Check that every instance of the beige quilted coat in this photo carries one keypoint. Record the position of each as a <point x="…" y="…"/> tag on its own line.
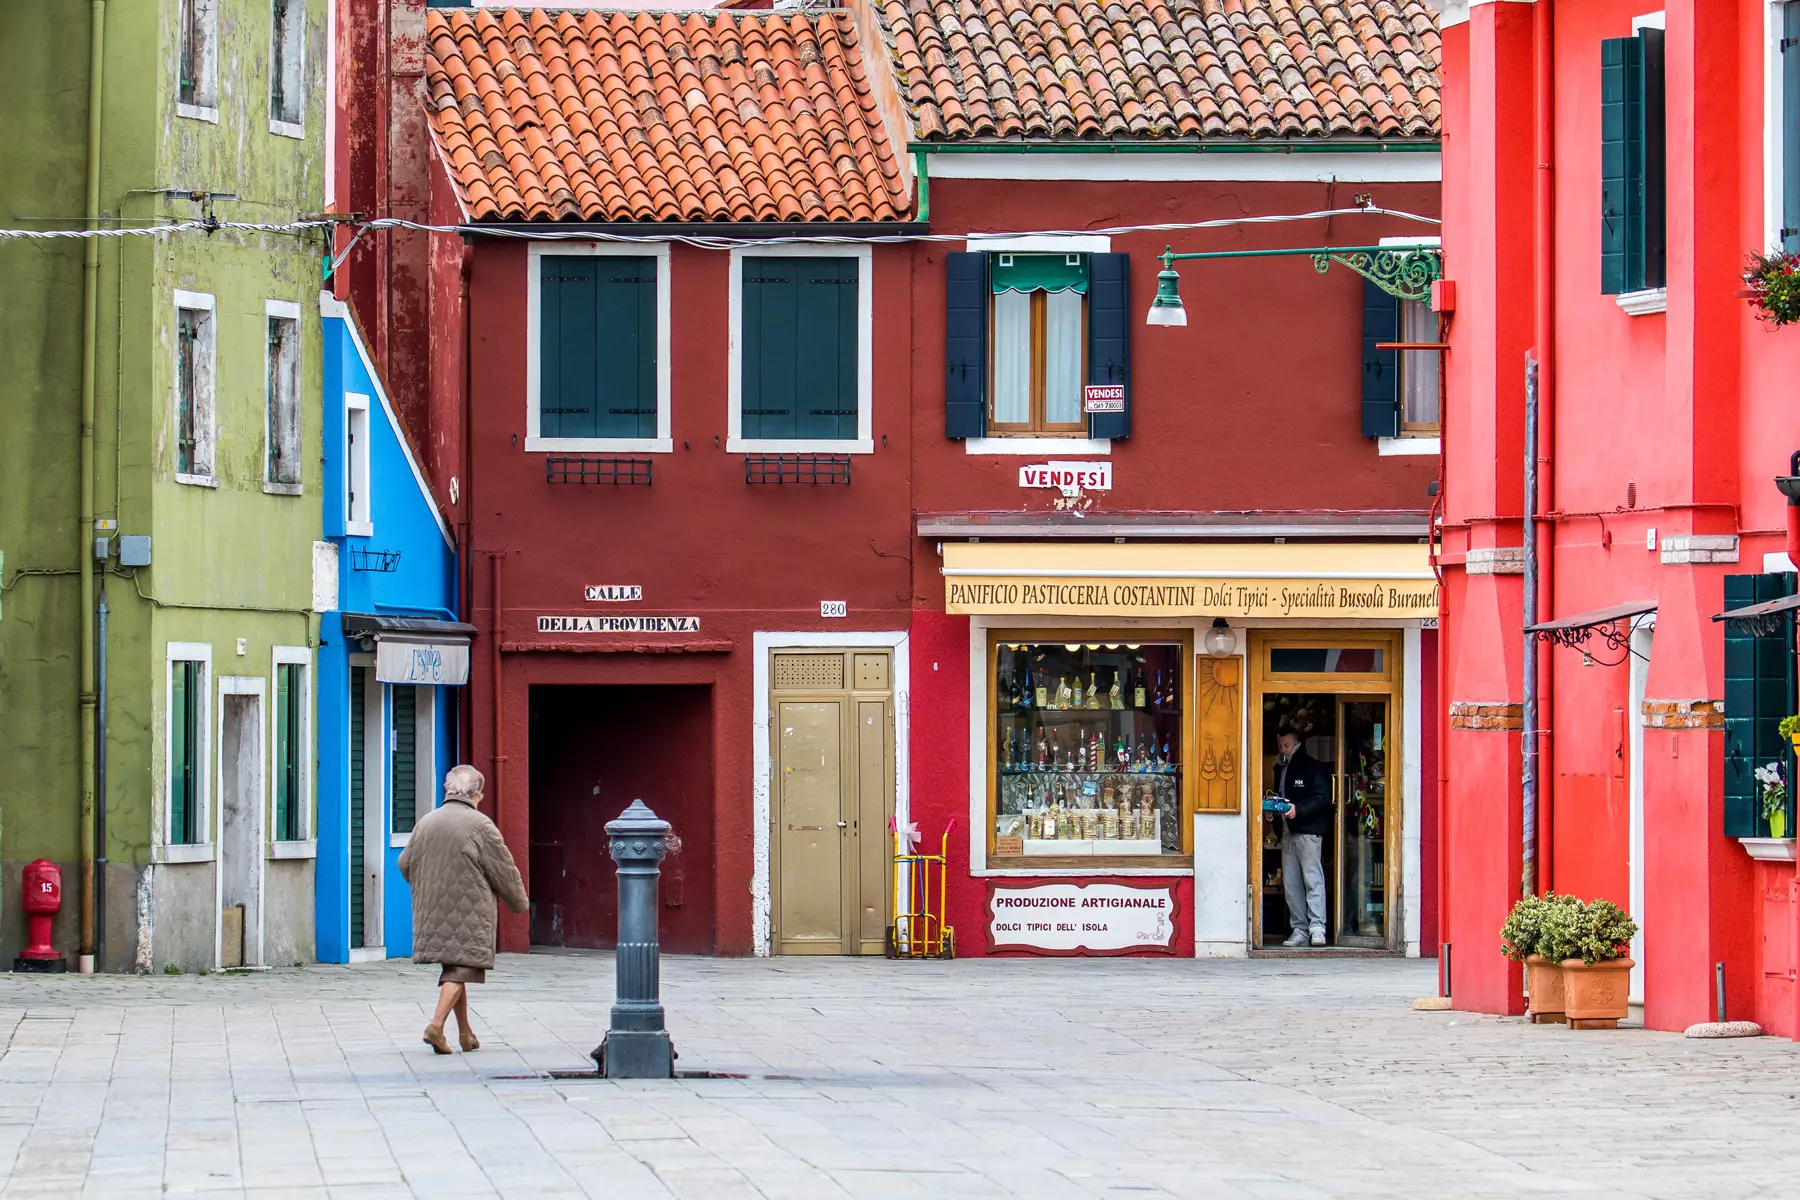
<point x="457" y="863"/>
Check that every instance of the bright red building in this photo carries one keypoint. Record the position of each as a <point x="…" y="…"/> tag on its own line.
<point x="1607" y="169"/>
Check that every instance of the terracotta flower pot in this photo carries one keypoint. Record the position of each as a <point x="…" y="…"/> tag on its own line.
<point x="1596" y="995"/>
<point x="1544" y="987"/>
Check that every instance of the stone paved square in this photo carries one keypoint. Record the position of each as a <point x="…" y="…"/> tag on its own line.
<point x="1276" y="1079"/>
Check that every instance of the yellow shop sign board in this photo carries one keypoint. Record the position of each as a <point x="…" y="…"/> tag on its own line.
<point x="1337" y="580"/>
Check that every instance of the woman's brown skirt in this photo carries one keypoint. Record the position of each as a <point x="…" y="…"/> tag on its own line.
<point x="455" y="974"/>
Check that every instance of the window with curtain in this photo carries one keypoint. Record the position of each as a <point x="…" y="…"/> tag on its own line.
<point x="1419" y="376"/>
<point x="1039" y="335"/>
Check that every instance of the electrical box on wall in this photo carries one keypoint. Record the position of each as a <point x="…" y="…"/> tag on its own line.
<point x="134" y="550"/>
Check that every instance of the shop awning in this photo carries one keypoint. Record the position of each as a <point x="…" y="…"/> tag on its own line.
<point x="1612" y="623"/>
<point x="415" y="650"/>
<point x="1313" y="581"/>
<point x="1764" y="617"/>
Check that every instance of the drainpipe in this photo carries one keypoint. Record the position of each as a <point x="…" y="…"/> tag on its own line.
<point x="1528" y="772"/>
<point x="464" y="505"/>
<point x="100" y="790"/>
<point x="1540" y="729"/>
<point x="90" y="302"/>
<point x="495" y="632"/>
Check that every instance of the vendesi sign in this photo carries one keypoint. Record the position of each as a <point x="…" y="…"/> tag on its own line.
<point x="429" y="664"/>
<point x="1104" y="397"/>
<point x="614" y="592"/>
<point x="548" y="624"/>
<point x="1082" y="918"/>
<point x="1088" y="476"/>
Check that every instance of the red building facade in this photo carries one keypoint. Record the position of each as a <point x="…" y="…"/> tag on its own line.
<point x="1110" y="586"/>
<point x="1607" y="170"/>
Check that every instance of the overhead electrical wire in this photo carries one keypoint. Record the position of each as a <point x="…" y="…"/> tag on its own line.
<point x="698" y="241"/>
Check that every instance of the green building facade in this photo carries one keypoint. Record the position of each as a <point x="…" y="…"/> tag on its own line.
<point x="205" y="380"/>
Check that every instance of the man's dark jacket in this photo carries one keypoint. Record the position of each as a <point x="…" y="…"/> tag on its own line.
<point x="1308" y="789"/>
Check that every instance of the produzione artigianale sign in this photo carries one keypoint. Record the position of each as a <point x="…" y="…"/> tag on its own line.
<point x="1081" y="918"/>
<point x="618" y="624"/>
<point x="1262" y="598"/>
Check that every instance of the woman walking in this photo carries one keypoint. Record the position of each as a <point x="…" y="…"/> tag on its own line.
<point x="457" y="862"/>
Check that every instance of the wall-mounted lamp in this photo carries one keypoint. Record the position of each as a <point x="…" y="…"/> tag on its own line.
<point x="1220" y="640"/>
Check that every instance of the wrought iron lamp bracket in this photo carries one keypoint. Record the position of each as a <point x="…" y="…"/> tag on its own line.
<point x="1615" y="634"/>
<point x="1403" y="274"/>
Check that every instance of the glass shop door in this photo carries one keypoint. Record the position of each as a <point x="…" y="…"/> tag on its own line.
<point x="1363" y="914"/>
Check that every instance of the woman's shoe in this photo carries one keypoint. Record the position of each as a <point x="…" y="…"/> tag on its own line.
<point x="434" y="1037"/>
<point x="467" y="1040"/>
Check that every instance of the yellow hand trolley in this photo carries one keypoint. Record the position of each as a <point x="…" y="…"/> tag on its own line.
<point x="919" y="930"/>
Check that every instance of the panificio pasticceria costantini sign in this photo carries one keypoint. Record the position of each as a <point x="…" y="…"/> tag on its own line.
<point x="1302" y="581"/>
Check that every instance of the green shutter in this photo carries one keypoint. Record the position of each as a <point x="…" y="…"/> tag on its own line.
<point x="357" y="794"/>
<point x="1759" y="691"/>
<point x="597" y="364"/>
<point x="185" y="708"/>
<point x="965" y="344"/>
<point x="404" y="759"/>
<point x="290" y="695"/>
<point x="1380" y="368"/>
<point x="1633" y="157"/>
<point x="1621" y="165"/>
<point x="1790" y="127"/>
<point x="800" y="348"/>
<point x="1653" y="142"/>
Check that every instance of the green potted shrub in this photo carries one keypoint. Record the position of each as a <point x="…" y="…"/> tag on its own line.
<point x="1790" y="729"/>
<point x="1597" y="969"/>
<point x="1532" y="937"/>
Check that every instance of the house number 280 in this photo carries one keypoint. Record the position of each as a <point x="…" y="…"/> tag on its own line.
<point x="834" y="608"/>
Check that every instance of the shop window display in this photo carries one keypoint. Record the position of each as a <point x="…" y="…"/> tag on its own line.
<point x="1088" y="748"/>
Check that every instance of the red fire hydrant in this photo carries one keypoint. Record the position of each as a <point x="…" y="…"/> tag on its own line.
<point x="42" y="887"/>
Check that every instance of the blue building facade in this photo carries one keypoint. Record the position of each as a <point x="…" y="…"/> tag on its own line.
<point x="391" y="655"/>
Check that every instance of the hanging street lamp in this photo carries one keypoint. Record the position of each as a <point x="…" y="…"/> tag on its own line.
<point x="1404" y="272"/>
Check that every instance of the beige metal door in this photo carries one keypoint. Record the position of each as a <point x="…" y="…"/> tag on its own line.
<point x="833" y="798"/>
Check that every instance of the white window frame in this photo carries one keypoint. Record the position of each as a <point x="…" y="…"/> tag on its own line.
<point x="424" y="760"/>
<point x="206" y="15"/>
<point x="864" y="442"/>
<point x="306" y="846"/>
<point x="358" y="467"/>
<point x="284" y="310"/>
<point x="297" y="31"/>
<point x="206" y="371"/>
<point x="1773" y="99"/>
<point x="166" y="849"/>
<point x="664" y="441"/>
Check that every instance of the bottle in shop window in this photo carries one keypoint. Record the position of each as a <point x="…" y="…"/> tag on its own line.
<point x="1116" y="697"/>
<point x="1075" y="702"/>
<point x="1022" y="693"/>
<point x="1043" y="758"/>
<point x="1041" y="694"/>
<point x="1168" y="760"/>
<point x="1081" y="756"/>
<point x="1093" y="692"/>
<point x="1063" y="692"/>
<point x="1121" y="754"/>
<point x="1096" y="748"/>
<point x="1137" y="692"/>
<point x="1156" y="696"/>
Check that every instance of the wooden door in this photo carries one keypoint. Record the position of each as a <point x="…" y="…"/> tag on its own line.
<point x="832" y="796"/>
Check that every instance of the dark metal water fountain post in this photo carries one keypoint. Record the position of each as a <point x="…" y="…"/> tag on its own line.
<point x="637" y="1046"/>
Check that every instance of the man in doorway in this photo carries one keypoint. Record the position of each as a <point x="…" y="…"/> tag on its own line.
<point x="1304" y="787"/>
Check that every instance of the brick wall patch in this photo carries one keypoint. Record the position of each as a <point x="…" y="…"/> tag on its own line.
<point x="1684" y="714"/>
<point x="1487" y="715"/>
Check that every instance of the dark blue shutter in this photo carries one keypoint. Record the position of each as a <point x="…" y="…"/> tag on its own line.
<point x="1621" y="168"/>
<point x="1380" y="368"/>
<point x="403" y="763"/>
<point x="1109" y="337"/>
<point x="1759" y="691"/>
<point x="965" y="344"/>
<point x="1653" y="152"/>
<point x="1790" y="126"/>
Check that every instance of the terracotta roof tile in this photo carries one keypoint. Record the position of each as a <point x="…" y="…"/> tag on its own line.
<point x="698" y="116"/>
<point x="1165" y="69"/>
